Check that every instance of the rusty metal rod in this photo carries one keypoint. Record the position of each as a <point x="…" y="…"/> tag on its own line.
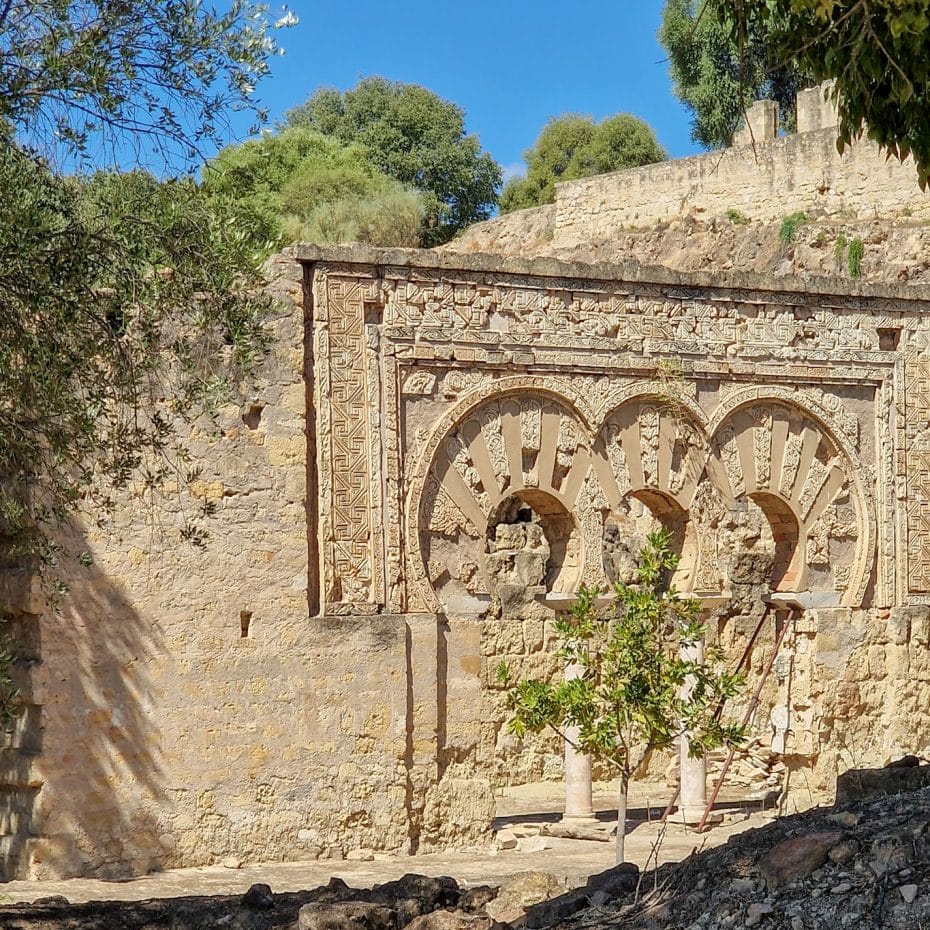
<point x="753" y="705"/>
<point x="719" y="710"/>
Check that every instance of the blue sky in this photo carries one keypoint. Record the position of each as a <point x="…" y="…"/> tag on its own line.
<point x="509" y="64"/>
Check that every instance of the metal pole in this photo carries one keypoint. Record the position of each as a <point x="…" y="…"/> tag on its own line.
<point x="753" y="704"/>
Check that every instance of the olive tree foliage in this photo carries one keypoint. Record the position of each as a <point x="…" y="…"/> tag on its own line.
<point x="418" y="139"/>
<point x="122" y="297"/>
<point x="303" y="186"/>
<point x="877" y="51"/>
<point x="115" y="288"/>
<point x="112" y="79"/>
<point x="573" y="146"/>
<point x="128" y="304"/>
<point x="718" y="75"/>
<point x="629" y="699"/>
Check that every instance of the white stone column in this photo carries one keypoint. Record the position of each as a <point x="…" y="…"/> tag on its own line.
<point x="579" y="800"/>
<point x="693" y="771"/>
<point x="579" y="796"/>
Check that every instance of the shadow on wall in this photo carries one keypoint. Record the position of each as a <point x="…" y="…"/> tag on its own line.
<point x="82" y="773"/>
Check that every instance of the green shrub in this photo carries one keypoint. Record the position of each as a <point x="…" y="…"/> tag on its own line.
<point x="286" y="177"/>
<point x="854" y="257"/>
<point x="736" y="218"/>
<point x="392" y="217"/>
<point x="788" y="231"/>
<point x="839" y="249"/>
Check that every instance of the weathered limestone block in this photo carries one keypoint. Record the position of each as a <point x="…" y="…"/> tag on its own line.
<point x="761" y="124"/>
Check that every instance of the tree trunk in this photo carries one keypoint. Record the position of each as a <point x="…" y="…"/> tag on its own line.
<point x="621" y="819"/>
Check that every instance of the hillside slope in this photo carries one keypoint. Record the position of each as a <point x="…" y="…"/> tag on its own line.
<point x="894" y="249"/>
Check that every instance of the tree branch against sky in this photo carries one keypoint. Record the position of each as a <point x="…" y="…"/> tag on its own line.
<point x="877" y="52"/>
<point x="113" y="81"/>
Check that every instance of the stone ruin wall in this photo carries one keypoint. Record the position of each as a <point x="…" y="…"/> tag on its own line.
<point x="373" y="554"/>
<point x="791" y="415"/>
<point x="157" y="734"/>
<point x="761" y="176"/>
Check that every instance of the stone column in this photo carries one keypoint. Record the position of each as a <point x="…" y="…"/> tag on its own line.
<point x="579" y="795"/>
<point x="693" y="771"/>
<point x="579" y="803"/>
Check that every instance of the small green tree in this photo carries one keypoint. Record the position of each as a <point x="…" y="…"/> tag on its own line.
<point x="572" y="146"/>
<point x="628" y="700"/>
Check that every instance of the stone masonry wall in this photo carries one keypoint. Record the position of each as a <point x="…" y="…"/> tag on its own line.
<point x="768" y="181"/>
<point x="760" y="177"/>
<point x="183" y="706"/>
<point x="494" y="383"/>
<point x="433" y="442"/>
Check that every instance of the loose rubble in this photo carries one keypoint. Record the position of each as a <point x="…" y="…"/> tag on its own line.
<point x="864" y="865"/>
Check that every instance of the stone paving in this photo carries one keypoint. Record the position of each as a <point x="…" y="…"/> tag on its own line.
<point x="570" y="859"/>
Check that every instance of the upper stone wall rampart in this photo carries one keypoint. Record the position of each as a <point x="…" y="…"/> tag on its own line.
<point x="763" y="182"/>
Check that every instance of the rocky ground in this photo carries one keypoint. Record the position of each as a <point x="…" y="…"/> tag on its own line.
<point x="863" y="863"/>
<point x="893" y="248"/>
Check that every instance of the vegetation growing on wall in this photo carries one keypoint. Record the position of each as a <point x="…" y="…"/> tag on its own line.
<point x="573" y="146"/>
<point x="788" y="231"/>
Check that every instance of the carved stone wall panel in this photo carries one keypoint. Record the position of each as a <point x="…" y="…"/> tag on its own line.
<point x="816" y="464"/>
<point x="916" y="473"/>
<point x="351" y="577"/>
<point x="519" y="382"/>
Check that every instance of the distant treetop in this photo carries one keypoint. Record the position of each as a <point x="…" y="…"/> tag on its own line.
<point x="573" y="146"/>
<point x="717" y="77"/>
<point x="418" y="139"/>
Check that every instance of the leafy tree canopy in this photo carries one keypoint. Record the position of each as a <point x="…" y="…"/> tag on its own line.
<point x="303" y="185"/>
<point x="416" y="138"/>
<point x="573" y="146"/>
<point x="717" y="75"/>
<point x="877" y="51"/>
<point x="125" y="301"/>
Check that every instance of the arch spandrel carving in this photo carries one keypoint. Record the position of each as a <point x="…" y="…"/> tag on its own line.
<point x="513" y="438"/>
<point x="649" y="457"/>
<point x="804" y="467"/>
<point x="519" y="436"/>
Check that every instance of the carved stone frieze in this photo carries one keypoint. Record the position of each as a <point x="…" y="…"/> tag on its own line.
<point x="556" y="393"/>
